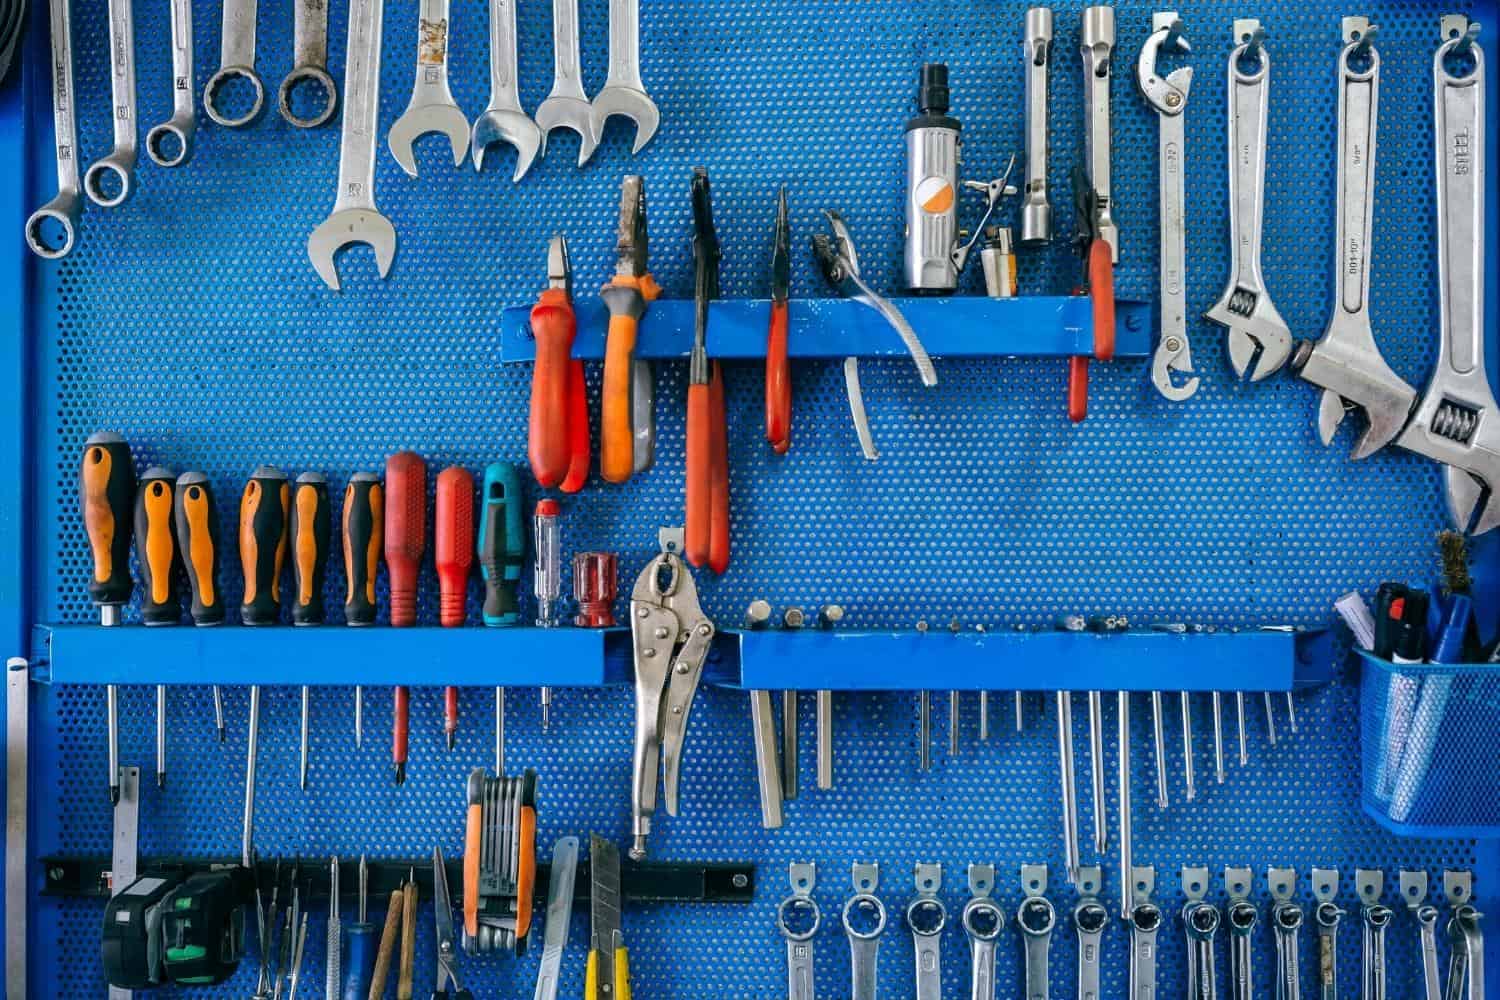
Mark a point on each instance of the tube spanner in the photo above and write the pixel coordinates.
(236, 62)
(567, 106)
(1260, 342)
(1168, 96)
(624, 94)
(983, 920)
(1346, 363)
(797, 918)
(503, 119)
(1036, 918)
(1456, 422)
(1036, 210)
(1145, 923)
(120, 163)
(1327, 915)
(863, 918)
(61, 213)
(170, 144)
(432, 107)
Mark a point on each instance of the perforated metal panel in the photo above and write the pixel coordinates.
(191, 322)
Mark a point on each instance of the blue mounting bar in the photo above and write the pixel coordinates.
(775, 660)
(952, 327)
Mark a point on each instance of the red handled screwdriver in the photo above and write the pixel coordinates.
(405, 542)
(453, 549)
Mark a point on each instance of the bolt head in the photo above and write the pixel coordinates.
(1174, 100)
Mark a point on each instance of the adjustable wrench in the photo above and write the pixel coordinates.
(177, 131)
(355, 218)
(1346, 363)
(432, 108)
(1327, 915)
(1168, 97)
(1145, 923)
(926, 916)
(1036, 211)
(1245, 309)
(1036, 918)
(1242, 917)
(797, 918)
(624, 93)
(983, 921)
(1090, 917)
(62, 210)
(236, 62)
(1286, 919)
(1098, 45)
(1455, 423)
(864, 936)
(309, 66)
(503, 119)
(567, 106)
(121, 159)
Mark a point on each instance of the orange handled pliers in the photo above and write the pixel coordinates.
(778, 370)
(627, 428)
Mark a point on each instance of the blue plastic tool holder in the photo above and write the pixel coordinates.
(190, 321)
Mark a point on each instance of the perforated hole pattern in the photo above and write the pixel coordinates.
(191, 322)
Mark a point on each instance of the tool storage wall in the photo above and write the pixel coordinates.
(190, 321)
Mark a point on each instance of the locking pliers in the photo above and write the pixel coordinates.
(670, 637)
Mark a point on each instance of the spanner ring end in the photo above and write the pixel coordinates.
(117, 166)
(302, 75)
(159, 135)
(217, 82)
(62, 210)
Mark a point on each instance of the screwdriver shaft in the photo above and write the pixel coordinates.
(499, 731)
(1191, 790)
(1096, 768)
(1069, 782)
(112, 708)
(1270, 719)
(924, 731)
(161, 736)
(1291, 712)
(1218, 703)
(1159, 738)
(984, 715)
(825, 739)
(1020, 712)
(219, 712)
(952, 723)
(247, 849)
(1239, 710)
(304, 728)
(1126, 834)
(359, 715)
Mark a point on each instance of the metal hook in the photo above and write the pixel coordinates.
(1251, 35)
(1364, 40)
(1175, 39)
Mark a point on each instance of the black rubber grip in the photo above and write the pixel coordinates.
(364, 521)
(106, 493)
(310, 527)
(197, 518)
(265, 507)
(156, 548)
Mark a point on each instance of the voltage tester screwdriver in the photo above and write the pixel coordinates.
(546, 578)
(364, 538)
(405, 542)
(501, 551)
(156, 557)
(265, 507)
(106, 492)
(310, 529)
(453, 551)
(197, 523)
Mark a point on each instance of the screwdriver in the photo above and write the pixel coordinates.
(408, 938)
(310, 528)
(364, 534)
(501, 551)
(198, 540)
(264, 508)
(106, 492)
(387, 950)
(405, 541)
(546, 578)
(359, 957)
(156, 556)
(453, 548)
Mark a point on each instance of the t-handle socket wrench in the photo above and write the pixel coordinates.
(120, 163)
(62, 211)
(170, 144)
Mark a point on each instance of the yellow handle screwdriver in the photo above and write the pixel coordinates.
(156, 557)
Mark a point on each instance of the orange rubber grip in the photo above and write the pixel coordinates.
(699, 470)
(473, 834)
(405, 532)
(526, 871)
(718, 470)
(1078, 388)
(578, 430)
(778, 381)
(554, 327)
(453, 543)
(1102, 294)
(616, 437)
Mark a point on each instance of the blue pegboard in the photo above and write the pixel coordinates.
(191, 322)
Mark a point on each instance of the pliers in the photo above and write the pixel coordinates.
(627, 426)
(670, 637)
(778, 370)
(447, 955)
(837, 257)
(707, 520)
(1099, 283)
(558, 438)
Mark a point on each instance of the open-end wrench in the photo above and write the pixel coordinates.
(1456, 421)
(170, 144)
(1286, 920)
(309, 67)
(1089, 919)
(1036, 918)
(797, 918)
(983, 920)
(1168, 96)
(62, 211)
(503, 119)
(355, 218)
(1346, 363)
(1145, 923)
(1327, 915)
(864, 921)
(1036, 210)
(1242, 917)
(1246, 310)
(120, 163)
(567, 106)
(236, 62)
(624, 93)
(926, 916)
(432, 108)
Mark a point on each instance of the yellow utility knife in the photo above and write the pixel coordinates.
(607, 976)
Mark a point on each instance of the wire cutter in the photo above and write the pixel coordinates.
(778, 371)
(627, 426)
(1099, 282)
(707, 485)
(447, 955)
(670, 638)
(558, 432)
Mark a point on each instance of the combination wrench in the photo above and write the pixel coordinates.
(1346, 364)
(1036, 918)
(236, 62)
(309, 73)
(926, 916)
(1090, 917)
(864, 921)
(504, 119)
(1374, 919)
(1200, 920)
(432, 107)
(120, 163)
(1036, 210)
(355, 218)
(1286, 920)
(983, 920)
(798, 918)
(1168, 96)
(567, 106)
(1145, 924)
(1465, 939)
(1413, 885)
(170, 144)
(1454, 424)
(1327, 916)
(624, 94)
(1242, 917)
(1245, 310)
(61, 213)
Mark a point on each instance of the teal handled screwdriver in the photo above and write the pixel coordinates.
(502, 550)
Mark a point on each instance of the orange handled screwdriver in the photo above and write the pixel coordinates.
(453, 548)
(705, 429)
(364, 538)
(156, 558)
(197, 522)
(106, 491)
(310, 529)
(553, 326)
(778, 368)
(405, 542)
(625, 437)
(265, 507)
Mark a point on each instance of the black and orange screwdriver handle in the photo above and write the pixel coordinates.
(106, 493)
(265, 509)
(548, 445)
(778, 380)
(405, 543)
(311, 524)
(364, 537)
(156, 548)
(453, 551)
(626, 298)
(197, 520)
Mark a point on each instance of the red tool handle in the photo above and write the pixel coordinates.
(1078, 388)
(453, 543)
(405, 532)
(1102, 293)
(718, 460)
(778, 381)
(699, 471)
(554, 326)
(578, 430)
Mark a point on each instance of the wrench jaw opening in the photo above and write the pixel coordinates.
(420, 120)
(1355, 379)
(513, 127)
(62, 213)
(351, 225)
(1260, 342)
(308, 78)
(626, 102)
(215, 87)
(170, 144)
(573, 113)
